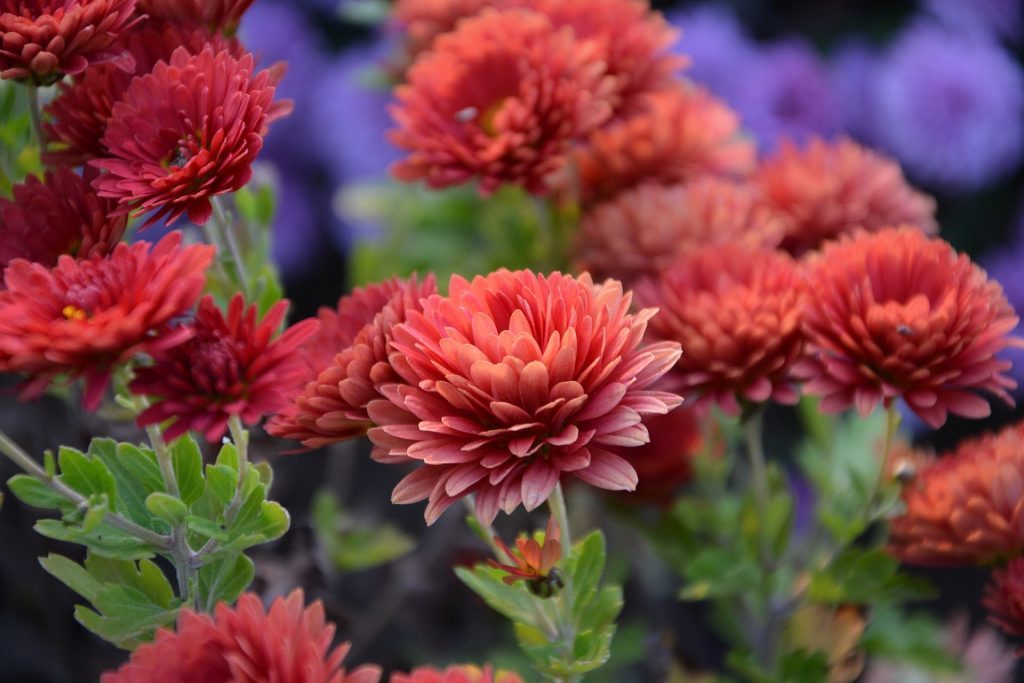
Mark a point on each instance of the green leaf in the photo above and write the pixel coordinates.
(514, 601)
(207, 527)
(31, 491)
(187, 461)
(719, 572)
(87, 476)
(585, 567)
(136, 475)
(168, 508)
(104, 540)
(94, 516)
(221, 482)
(72, 574)
(224, 580)
(867, 577)
(352, 545)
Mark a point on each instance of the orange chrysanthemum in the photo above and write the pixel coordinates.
(643, 230)
(42, 40)
(288, 643)
(512, 381)
(215, 16)
(499, 99)
(1004, 599)
(898, 314)
(966, 507)
(533, 560)
(465, 673)
(736, 312)
(424, 20)
(830, 189)
(346, 361)
(675, 136)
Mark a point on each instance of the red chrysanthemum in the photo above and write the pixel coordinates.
(1004, 599)
(234, 365)
(643, 230)
(288, 643)
(215, 16)
(736, 312)
(201, 119)
(966, 507)
(424, 20)
(346, 361)
(510, 382)
(58, 215)
(85, 317)
(41, 40)
(675, 136)
(898, 314)
(465, 673)
(666, 462)
(830, 189)
(498, 99)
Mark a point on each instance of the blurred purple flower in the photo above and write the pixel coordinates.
(1001, 18)
(1006, 266)
(852, 71)
(296, 235)
(719, 49)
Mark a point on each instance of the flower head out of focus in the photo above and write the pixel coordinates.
(41, 41)
(84, 317)
(896, 314)
(464, 673)
(667, 461)
(233, 365)
(512, 381)
(215, 16)
(203, 117)
(424, 20)
(1004, 600)
(499, 99)
(533, 561)
(288, 643)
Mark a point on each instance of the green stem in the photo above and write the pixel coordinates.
(565, 626)
(226, 228)
(753, 428)
(241, 438)
(34, 112)
(557, 504)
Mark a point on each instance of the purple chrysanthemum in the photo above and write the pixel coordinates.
(720, 51)
(852, 71)
(1002, 18)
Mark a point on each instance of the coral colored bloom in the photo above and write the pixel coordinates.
(233, 365)
(465, 673)
(85, 317)
(898, 314)
(643, 230)
(736, 312)
(533, 561)
(202, 118)
(830, 189)
(512, 381)
(424, 20)
(216, 16)
(1004, 600)
(58, 215)
(966, 507)
(346, 361)
(676, 136)
(499, 99)
(666, 463)
(42, 40)
(288, 643)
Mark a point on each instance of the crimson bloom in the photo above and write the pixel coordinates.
(898, 314)
(233, 365)
(465, 673)
(533, 561)
(513, 380)
(215, 16)
(42, 40)
(498, 99)
(288, 643)
(1004, 600)
(202, 119)
(58, 215)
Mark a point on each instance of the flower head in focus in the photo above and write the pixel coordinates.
(512, 381)
(1004, 600)
(896, 314)
(288, 643)
(215, 16)
(533, 561)
(464, 673)
(84, 317)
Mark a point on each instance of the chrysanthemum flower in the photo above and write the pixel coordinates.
(85, 317)
(42, 40)
(233, 365)
(202, 118)
(346, 361)
(966, 507)
(1004, 599)
(533, 561)
(464, 673)
(677, 135)
(830, 189)
(216, 16)
(643, 230)
(898, 314)
(424, 20)
(288, 643)
(499, 99)
(512, 381)
(736, 312)
(58, 215)
(666, 462)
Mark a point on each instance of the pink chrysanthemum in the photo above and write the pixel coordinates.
(498, 99)
(465, 673)
(85, 317)
(898, 314)
(42, 40)
(215, 16)
(202, 119)
(288, 643)
(513, 380)
(1004, 600)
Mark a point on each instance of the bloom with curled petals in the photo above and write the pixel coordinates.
(42, 40)
(464, 673)
(533, 561)
(736, 312)
(643, 230)
(345, 362)
(829, 189)
(1004, 599)
(510, 382)
(498, 99)
(288, 643)
(58, 215)
(675, 136)
(202, 118)
(424, 20)
(84, 317)
(216, 16)
(233, 365)
(898, 314)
